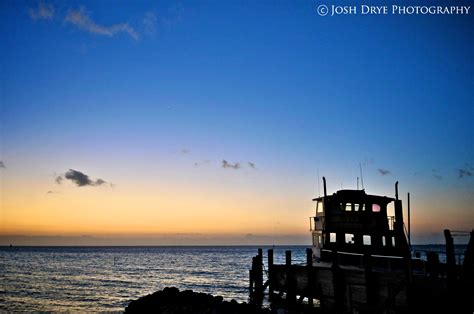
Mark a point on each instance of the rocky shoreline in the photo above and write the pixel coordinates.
(171, 300)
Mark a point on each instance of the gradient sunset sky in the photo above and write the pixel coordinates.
(206, 122)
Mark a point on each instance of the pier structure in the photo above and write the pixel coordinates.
(361, 262)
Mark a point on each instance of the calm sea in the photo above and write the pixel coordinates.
(108, 278)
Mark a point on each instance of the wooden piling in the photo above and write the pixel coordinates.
(309, 264)
(270, 275)
(450, 259)
(251, 278)
(258, 274)
(290, 282)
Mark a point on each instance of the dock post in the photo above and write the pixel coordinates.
(309, 264)
(290, 293)
(259, 275)
(450, 259)
(251, 278)
(270, 275)
(338, 284)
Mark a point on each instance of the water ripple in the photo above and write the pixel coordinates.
(107, 278)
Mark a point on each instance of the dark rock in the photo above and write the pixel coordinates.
(171, 300)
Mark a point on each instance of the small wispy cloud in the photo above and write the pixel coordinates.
(464, 172)
(80, 179)
(44, 11)
(2, 165)
(52, 192)
(149, 22)
(185, 151)
(201, 163)
(81, 19)
(227, 165)
(238, 165)
(59, 179)
(383, 172)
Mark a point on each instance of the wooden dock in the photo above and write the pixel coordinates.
(330, 287)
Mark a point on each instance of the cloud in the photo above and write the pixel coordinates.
(59, 179)
(52, 192)
(80, 19)
(200, 163)
(237, 165)
(2, 165)
(383, 171)
(42, 12)
(185, 151)
(464, 173)
(149, 22)
(226, 165)
(80, 179)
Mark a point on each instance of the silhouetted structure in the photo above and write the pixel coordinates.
(361, 263)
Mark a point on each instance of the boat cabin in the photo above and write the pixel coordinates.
(352, 222)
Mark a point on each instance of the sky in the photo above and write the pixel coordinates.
(211, 122)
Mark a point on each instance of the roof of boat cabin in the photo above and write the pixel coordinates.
(358, 196)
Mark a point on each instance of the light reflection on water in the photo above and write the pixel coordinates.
(108, 278)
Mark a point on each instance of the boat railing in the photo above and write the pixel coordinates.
(388, 262)
(422, 255)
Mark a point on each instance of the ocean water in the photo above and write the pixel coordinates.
(108, 278)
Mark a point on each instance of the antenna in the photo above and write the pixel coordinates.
(409, 231)
(361, 176)
(324, 184)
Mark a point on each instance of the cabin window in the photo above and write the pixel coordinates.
(348, 207)
(383, 241)
(390, 209)
(367, 240)
(332, 237)
(393, 241)
(375, 208)
(319, 207)
(349, 238)
(358, 207)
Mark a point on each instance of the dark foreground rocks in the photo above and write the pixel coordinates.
(171, 300)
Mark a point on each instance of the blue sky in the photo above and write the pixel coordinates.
(120, 89)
